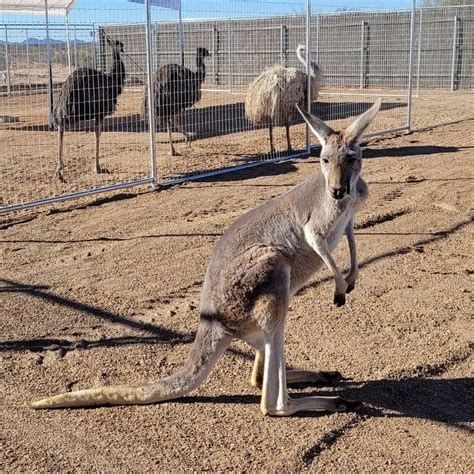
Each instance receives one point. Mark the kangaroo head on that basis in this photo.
(341, 156)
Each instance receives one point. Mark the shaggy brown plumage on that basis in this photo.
(89, 94)
(175, 88)
(272, 96)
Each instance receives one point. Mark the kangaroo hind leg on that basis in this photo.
(270, 311)
(275, 399)
(293, 376)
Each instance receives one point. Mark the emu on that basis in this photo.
(272, 96)
(176, 88)
(89, 94)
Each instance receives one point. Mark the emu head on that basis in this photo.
(117, 46)
(202, 52)
(341, 156)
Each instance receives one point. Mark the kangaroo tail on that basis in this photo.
(210, 343)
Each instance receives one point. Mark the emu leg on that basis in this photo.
(288, 140)
(183, 131)
(270, 131)
(97, 139)
(172, 150)
(60, 168)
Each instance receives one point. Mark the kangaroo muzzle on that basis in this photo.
(338, 192)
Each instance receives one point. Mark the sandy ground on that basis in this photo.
(222, 137)
(104, 290)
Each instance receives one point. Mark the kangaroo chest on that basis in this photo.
(338, 227)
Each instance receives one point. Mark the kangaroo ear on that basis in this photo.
(353, 133)
(317, 126)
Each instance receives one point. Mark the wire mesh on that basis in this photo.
(443, 75)
(200, 101)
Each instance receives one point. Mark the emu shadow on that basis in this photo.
(215, 120)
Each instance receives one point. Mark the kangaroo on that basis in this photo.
(262, 259)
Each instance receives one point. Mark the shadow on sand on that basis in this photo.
(216, 120)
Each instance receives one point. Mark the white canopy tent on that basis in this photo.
(46, 8)
(55, 7)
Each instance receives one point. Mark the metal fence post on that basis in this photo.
(68, 41)
(308, 69)
(418, 67)
(318, 37)
(94, 49)
(154, 65)
(7, 62)
(454, 55)
(229, 55)
(410, 65)
(215, 60)
(363, 56)
(27, 56)
(282, 62)
(102, 50)
(283, 45)
(50, 67)
(151, 98)
(75, 47)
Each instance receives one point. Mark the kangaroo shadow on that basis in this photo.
(441, 400)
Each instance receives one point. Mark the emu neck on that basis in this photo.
(200, 68)
(118, 69)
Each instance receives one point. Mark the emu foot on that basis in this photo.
(59, 173)
(100, 170)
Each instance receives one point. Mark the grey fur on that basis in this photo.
(259, 263)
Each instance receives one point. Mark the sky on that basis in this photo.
(122, 11)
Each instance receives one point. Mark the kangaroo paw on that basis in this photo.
(340, 300)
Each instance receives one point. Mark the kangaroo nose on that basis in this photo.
(338, 193)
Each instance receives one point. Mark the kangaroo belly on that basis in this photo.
(303, 267)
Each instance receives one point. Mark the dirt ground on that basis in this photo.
(222, 137)
(105, 290)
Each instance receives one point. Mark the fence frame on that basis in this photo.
(153, 179)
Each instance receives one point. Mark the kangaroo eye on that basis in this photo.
(325, 161)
